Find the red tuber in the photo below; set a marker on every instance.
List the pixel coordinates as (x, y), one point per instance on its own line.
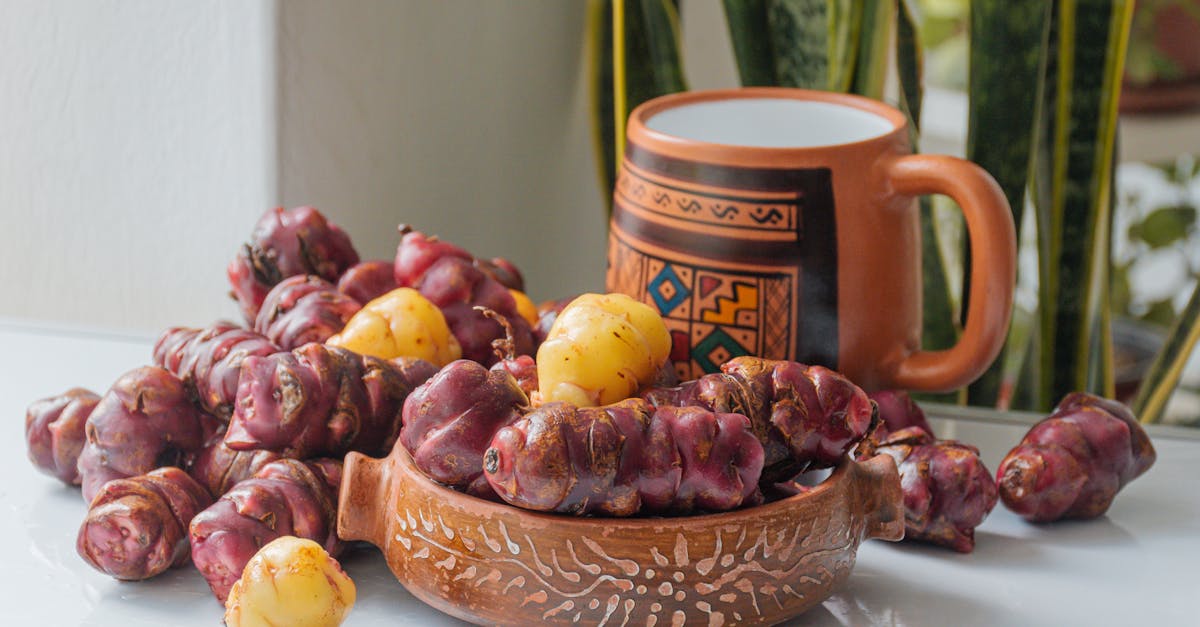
(303, 309)
(453, 280)
(368, 280)
(451, 418)
(625, 458)
(146, 420)
(218, 467)
(947, 489)
(54, 432)
(805, 416)
(285, 498)
(897, 410)
(283, 244)
(1073, 463)
(209, 360)
(322, 400)
(137, 527)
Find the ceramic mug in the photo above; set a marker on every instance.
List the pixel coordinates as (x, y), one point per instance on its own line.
(783, 223)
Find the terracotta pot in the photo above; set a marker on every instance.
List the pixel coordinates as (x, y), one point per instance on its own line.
(783, 223)
(491, 563)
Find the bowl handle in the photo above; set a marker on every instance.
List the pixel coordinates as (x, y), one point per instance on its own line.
(362, 497)
(880, 499)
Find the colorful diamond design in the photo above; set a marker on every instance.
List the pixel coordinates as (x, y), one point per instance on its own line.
(667, 290)
(716, 349)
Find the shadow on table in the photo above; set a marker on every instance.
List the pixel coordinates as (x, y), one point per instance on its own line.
(1068, 534)
(874, 598)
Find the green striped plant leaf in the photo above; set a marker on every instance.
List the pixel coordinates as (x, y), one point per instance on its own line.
(874, 43)
(1008, 43)
(909, 64)
(748, 26)
(1160, 381)
(1072, 191)
(833, 45)
(634, 58)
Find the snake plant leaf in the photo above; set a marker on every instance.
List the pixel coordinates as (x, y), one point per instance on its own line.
(813, 44)
(871, 68)
(748, 25)
(1008, 41)
(909, 63)
(800, 33)
(1073, 188)
(652, 67)
(1160, 381)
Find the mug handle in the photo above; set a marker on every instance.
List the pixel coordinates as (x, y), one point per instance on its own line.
(993, 269)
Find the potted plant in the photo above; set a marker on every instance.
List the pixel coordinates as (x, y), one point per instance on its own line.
(1044, 85)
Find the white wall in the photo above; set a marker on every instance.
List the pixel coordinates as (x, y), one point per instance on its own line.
(140, 140)
(136, 144)
(466, 119)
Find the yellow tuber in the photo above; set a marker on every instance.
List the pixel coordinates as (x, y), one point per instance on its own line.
(600, 350)
(401, 323)
(290, 581)
(525, 307)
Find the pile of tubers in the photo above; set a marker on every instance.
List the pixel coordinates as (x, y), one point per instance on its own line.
(232, 438)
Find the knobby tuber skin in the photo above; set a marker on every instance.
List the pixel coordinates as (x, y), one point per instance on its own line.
(401, 323)
(625, 458)
(137, 527)
(503, 272)
(897, 410)
(146, 420)
(601, 349)
(947, 489)
(1073, 463)
(303, 309)
(218, 467)
(523, 369)
(285, 498)
(322, 400)
(209, 360)
(547, 313)
(450, 420)
(290, 581)
(453, 280)
(805, 417)
(287, 243)
(802, 416)
(368, 280)
(54, 432)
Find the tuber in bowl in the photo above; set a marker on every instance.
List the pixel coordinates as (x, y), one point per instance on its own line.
(491, 563)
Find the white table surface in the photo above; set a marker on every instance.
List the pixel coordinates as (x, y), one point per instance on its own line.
(1134, 566)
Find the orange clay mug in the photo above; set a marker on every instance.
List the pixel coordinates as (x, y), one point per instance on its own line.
(783, 223)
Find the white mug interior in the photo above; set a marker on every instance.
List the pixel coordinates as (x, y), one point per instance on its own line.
(769, 123)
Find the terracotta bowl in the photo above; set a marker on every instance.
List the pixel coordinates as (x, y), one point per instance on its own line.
(491, 563)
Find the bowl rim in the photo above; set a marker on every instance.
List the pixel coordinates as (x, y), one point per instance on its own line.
(464, 501)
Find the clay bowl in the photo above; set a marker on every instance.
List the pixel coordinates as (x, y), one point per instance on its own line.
(491, 563)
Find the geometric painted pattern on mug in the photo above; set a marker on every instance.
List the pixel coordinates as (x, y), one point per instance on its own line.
(715, 346)
(668, 290)
(780, 213)
(739, 309)
(712, 314)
